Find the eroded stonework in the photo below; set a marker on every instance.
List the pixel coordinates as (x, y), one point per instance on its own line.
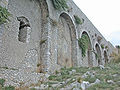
(50, 41)
(31, 58)
(64, 44)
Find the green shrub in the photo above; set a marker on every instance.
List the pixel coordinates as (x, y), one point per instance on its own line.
(108, 77)
(102, 46)
(78, 20)
(90, 79)
(60, 4)
(32, 89)
(8, 88)
(2, 81)
(4, 14)
(65, 72)
(105, 86)
(56, 72)
(59, 79)
(83, 44)
(52, 77)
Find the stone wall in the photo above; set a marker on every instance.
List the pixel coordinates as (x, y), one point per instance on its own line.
(53, 37)
(17, 52)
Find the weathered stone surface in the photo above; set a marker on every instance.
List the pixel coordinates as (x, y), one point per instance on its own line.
(20, 77)
(85, 85)
(101, 67)
(110, 82)
(51, 43)
(64, 43)
(31, 58)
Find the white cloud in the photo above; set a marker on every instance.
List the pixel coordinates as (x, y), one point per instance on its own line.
(104, 14)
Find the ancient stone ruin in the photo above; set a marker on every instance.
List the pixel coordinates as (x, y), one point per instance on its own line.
(41, 38)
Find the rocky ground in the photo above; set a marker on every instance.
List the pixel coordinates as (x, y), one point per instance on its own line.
(83, 78)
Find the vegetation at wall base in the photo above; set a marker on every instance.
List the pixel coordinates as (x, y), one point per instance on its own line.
(103, 75)
(4, 14)
(2, 87)
(2, 81)
(63, 78)
(78, 20)
(83, 44)
(8, 88)
(60, 4)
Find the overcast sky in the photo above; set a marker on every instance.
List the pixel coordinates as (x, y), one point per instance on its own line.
(105, 15)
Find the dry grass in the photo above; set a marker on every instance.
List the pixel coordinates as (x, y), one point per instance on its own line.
(22, 88)
(116, 57)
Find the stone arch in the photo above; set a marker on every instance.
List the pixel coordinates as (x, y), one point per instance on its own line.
(66, 41)
(98, 53)
(105, 56)
(89, 50)
(85, 31)
(24, 29)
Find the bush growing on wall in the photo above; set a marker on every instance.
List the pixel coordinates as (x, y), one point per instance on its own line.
(78, 20)
(102, 46)
(3, 15)
(83, 44)
(59, 4)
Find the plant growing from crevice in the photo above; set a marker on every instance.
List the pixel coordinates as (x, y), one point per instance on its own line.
(83, 44)
(42, 41)
(78, 20)
(38, 64)
(60, 4)
(53, 22)
(106, 47)
(102, 46)
(70, 9)
(5, 67)
(4, 14)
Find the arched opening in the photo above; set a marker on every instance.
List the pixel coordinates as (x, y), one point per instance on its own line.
(98, 54)
(66, 41)
(105, 57)
(88, 51)
(24, 29)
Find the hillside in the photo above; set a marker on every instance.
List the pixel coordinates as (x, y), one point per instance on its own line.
(82, 78)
